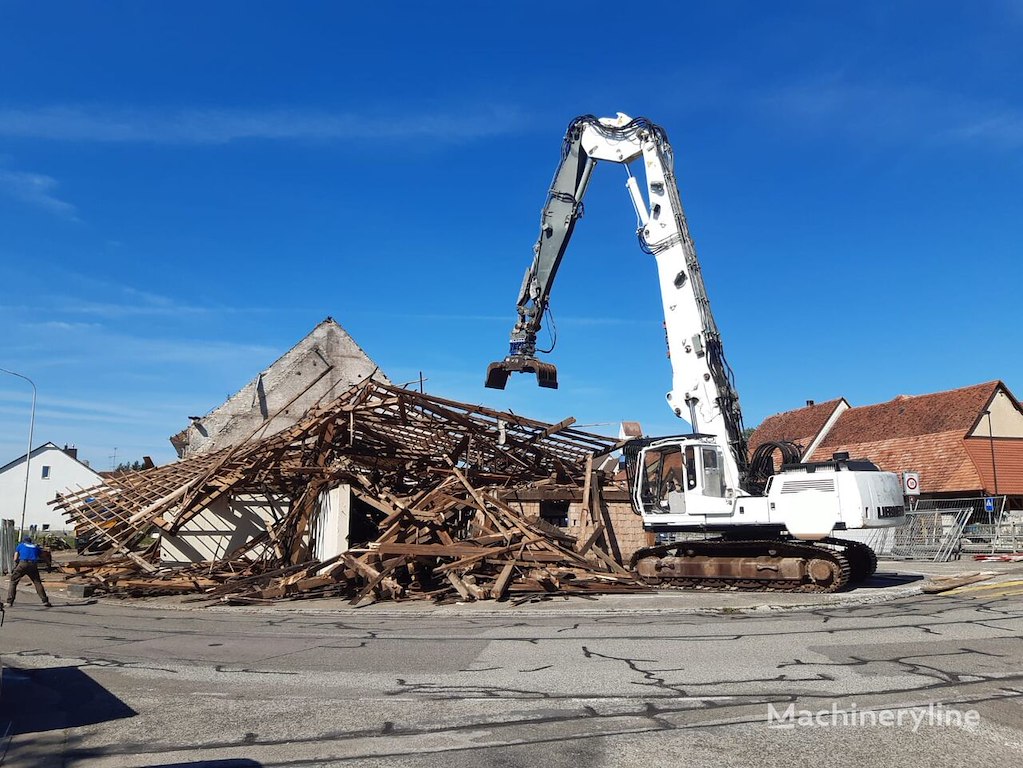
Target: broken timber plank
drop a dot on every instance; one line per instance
(372, 584)
(501, 585)
(584, 546)
(587, 507)
(937, 584)
(459, 585)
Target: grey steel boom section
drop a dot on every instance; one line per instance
(563, 207)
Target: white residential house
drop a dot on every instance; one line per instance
(52, 470)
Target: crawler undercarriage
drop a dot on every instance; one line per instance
(785, 565)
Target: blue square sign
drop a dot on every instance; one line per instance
(989, 504)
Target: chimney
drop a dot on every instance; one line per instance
(71, 451)
(809, 403)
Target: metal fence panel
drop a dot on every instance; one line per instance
(945, 529)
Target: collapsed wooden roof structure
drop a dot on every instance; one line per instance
(439, 478)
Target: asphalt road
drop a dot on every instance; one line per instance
(111, 685)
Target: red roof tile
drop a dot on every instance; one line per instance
(922, 433)
(631, 429)
(941, 458)
(800, 426)
(956, 410)
(1008, 461)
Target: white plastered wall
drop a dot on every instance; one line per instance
(64, 475)
(222, 528)
(1006, 421)
(333, 523)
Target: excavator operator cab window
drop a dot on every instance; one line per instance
(651, 479)
(664, 479)
(713, 476)
(671, 472)
(691, 468)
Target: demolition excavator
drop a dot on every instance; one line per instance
(725, 519)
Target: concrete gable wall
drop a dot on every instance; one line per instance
(327, 345)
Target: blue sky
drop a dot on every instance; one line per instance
(186, 189)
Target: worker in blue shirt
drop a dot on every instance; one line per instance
(26, 559)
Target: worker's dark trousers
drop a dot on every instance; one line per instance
(30, 569)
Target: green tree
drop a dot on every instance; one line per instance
(125, 466)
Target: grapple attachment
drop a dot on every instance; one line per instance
(498, 373)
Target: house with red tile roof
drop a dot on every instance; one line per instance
(963, 442)
(805, 427)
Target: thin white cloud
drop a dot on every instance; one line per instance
(109, 310)
(509, 318)
(60, 325)
(142, 309)
(114, 301)
(199, 352)
(130, 351)
(897, 113)
(615, 321)
(124, 416)
(145, 411)
(1013, 10)
(1005, 129)
(37, 190)
(221, 126)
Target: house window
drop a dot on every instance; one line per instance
(46, 472)
(555, 513)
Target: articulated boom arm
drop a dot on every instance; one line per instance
(564, 206)
(702, 385)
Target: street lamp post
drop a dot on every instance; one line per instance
(28, 454)
(991, 442)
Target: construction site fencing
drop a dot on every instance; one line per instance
(941, 530)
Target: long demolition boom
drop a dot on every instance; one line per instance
(703, 389)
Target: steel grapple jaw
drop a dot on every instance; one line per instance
(498, 373)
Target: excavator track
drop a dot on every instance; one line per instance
(860, 556)
(770, 565)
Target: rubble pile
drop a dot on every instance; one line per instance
(436, 484)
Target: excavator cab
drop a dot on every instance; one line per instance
(662, 483)
(676, 476)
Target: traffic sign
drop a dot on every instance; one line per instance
(989, 504)
(911, 483)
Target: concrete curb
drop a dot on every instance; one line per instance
(553, 609)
